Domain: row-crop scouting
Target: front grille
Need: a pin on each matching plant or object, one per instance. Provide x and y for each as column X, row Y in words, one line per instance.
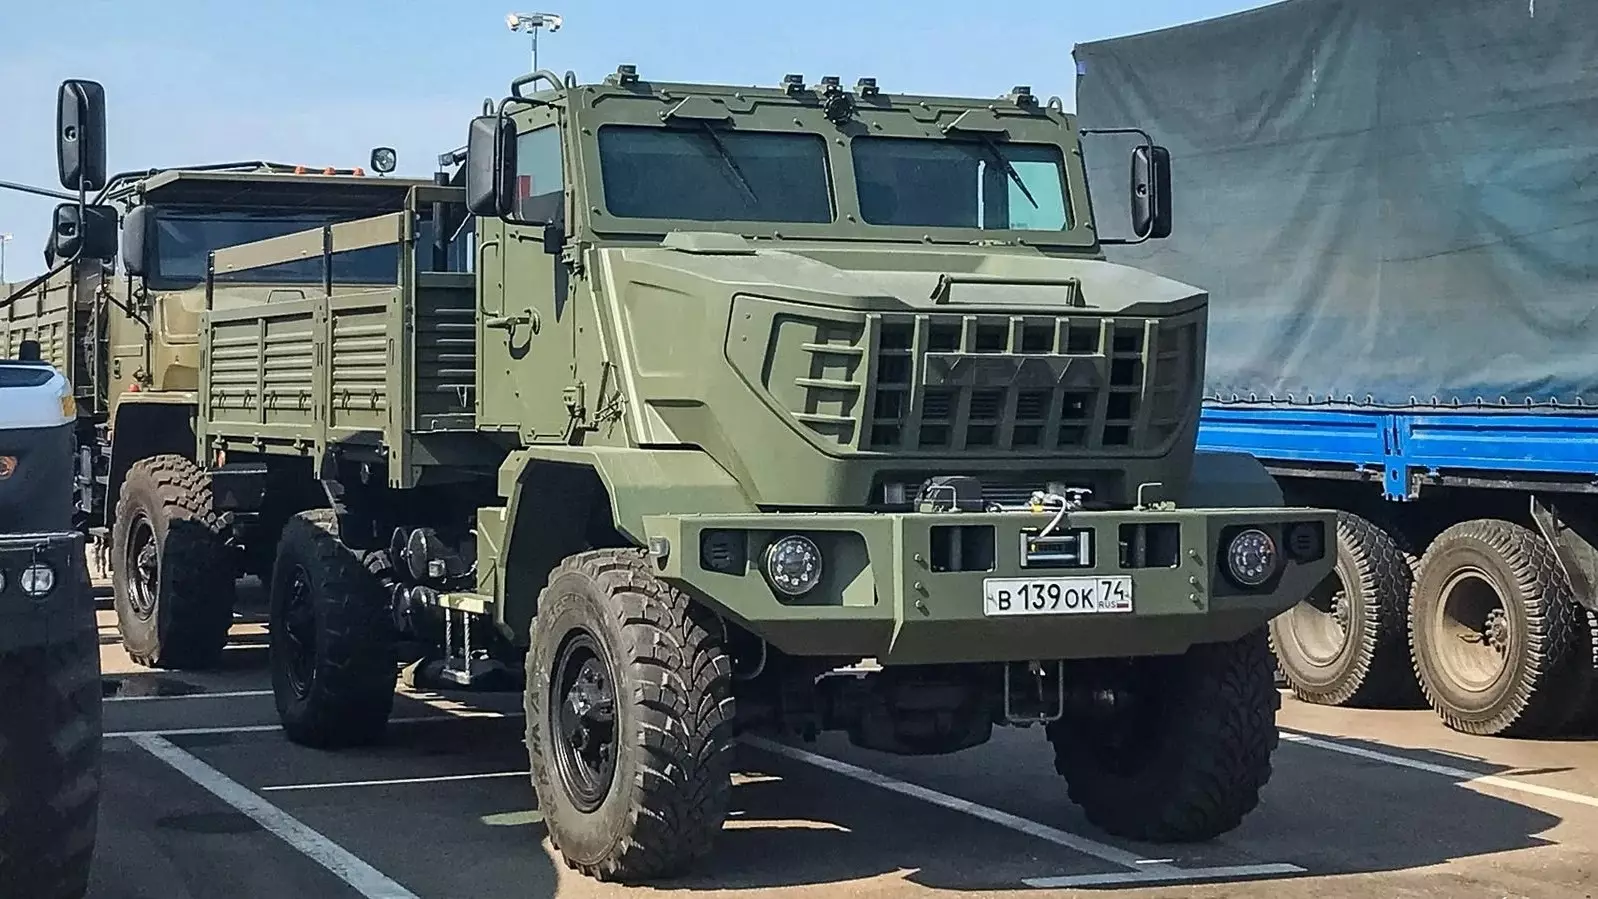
column 946, row 382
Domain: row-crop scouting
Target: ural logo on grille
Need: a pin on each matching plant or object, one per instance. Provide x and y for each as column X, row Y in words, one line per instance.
column 987, row 370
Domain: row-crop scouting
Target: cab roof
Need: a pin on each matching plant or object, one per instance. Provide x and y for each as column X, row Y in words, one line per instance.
column 277, row 188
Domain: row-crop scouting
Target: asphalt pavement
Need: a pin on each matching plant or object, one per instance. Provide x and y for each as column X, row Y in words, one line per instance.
column 204, row 797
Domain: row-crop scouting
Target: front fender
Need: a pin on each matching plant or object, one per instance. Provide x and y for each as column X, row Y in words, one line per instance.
column 1231, row 481
column 565, row 499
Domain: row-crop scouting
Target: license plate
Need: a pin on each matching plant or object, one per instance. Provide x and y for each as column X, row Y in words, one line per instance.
column 1056, row 595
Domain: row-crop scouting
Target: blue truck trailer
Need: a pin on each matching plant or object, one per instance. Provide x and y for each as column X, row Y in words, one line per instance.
column 1394, row 207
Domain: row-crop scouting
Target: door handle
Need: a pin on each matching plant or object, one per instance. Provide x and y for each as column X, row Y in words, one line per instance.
column 512, row 322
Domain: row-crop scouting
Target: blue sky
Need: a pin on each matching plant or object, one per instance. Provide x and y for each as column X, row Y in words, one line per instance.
column 320, row 83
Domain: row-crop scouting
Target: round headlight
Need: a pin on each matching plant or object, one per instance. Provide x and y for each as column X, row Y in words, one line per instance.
column 37, row 580
column 793, row 565
column 1251, row 557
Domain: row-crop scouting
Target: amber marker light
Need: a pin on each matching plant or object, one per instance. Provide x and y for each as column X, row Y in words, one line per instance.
column 8, row 466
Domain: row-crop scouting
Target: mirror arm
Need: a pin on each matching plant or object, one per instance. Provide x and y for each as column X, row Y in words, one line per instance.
column 40, row 191
column 1148, row 145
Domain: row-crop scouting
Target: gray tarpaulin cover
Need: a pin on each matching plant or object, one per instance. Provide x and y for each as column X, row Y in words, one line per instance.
column 1387, row 199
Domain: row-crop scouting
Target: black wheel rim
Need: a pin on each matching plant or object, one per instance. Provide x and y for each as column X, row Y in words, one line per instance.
column 1472, row 631
column 582, row 721
column 299, row 631
column 142, row 562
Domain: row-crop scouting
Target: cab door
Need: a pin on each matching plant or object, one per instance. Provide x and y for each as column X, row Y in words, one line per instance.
column 524, row 323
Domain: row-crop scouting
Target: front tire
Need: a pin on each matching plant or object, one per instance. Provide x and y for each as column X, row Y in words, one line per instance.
column 1494, row 631
column 629, row 719
column 1186, row 758
column 172, row 577
column 332, row 646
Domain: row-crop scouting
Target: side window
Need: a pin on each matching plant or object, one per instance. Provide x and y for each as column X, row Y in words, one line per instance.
column 540, row 176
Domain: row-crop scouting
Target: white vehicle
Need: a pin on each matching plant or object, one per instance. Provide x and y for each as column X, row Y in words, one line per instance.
column 50, row 718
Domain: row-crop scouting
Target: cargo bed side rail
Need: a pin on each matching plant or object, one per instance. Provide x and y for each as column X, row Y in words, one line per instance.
column 381, row 372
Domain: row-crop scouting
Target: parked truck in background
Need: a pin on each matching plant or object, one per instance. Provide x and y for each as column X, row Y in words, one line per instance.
column 1395, row 215
column 783, row 409
column 129, row 342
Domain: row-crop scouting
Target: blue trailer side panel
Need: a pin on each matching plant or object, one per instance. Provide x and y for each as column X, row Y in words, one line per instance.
column 1405, row 450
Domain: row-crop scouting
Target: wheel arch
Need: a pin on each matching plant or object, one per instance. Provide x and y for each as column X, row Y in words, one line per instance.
column 1230, row 480
column 141, row 429
column 612, row 489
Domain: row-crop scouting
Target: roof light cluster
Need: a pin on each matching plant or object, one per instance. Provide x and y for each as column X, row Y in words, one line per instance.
column 865, row 87
column 383, row 160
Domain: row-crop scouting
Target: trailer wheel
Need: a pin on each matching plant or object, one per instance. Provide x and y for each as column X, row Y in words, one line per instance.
column 50, row 736
column 1347, row 643
column 332, row 645
column 172, row 576
column 1494, row 631
column 1186, row 749
column 629, row 719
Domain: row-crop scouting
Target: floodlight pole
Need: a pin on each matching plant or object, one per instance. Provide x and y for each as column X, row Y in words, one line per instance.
column 533, row 22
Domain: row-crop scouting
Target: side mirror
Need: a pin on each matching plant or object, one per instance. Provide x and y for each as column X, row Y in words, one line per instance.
column 1151, row 192
column 490, row 166
column 80, row 135
column 137, row 226
column 88, row 232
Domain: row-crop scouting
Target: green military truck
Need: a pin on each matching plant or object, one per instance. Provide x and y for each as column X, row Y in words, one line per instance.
column 716, row 409
column 50, row 724
column 129, row 345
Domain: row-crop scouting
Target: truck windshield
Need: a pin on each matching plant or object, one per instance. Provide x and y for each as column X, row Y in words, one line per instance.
column 961, row 183
column 706, row 173
column 185, row 238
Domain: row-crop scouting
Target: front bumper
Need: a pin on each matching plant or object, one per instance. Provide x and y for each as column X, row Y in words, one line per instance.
column 60, row 615
column 908, row 588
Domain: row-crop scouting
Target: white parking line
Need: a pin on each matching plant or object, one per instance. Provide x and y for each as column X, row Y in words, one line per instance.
column 443, row 778
column 269, row 728
column 231, row 694
column 369, row 881
column 1458, row 774
column 1139, row 868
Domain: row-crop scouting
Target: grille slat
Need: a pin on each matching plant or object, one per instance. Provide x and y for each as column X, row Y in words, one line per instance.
column 1124, row 387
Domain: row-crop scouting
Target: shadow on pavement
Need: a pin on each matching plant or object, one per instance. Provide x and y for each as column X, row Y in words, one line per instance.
column 1329, row 814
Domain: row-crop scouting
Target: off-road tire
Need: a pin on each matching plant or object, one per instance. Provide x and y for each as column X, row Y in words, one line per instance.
column 50, row 735
column 1539, row 688
column 1371, row 667
column 355, row 667
column 1199, row 755
column 671, row 679
column 196, row 589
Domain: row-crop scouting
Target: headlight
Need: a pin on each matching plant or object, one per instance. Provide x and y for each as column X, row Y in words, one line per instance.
column 793, row 565
column 2, row 581
column 1251, row 557
column 37, row 580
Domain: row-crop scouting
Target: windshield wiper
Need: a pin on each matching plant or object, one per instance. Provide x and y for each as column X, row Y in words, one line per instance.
column 732, row 164
column 998, row 156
